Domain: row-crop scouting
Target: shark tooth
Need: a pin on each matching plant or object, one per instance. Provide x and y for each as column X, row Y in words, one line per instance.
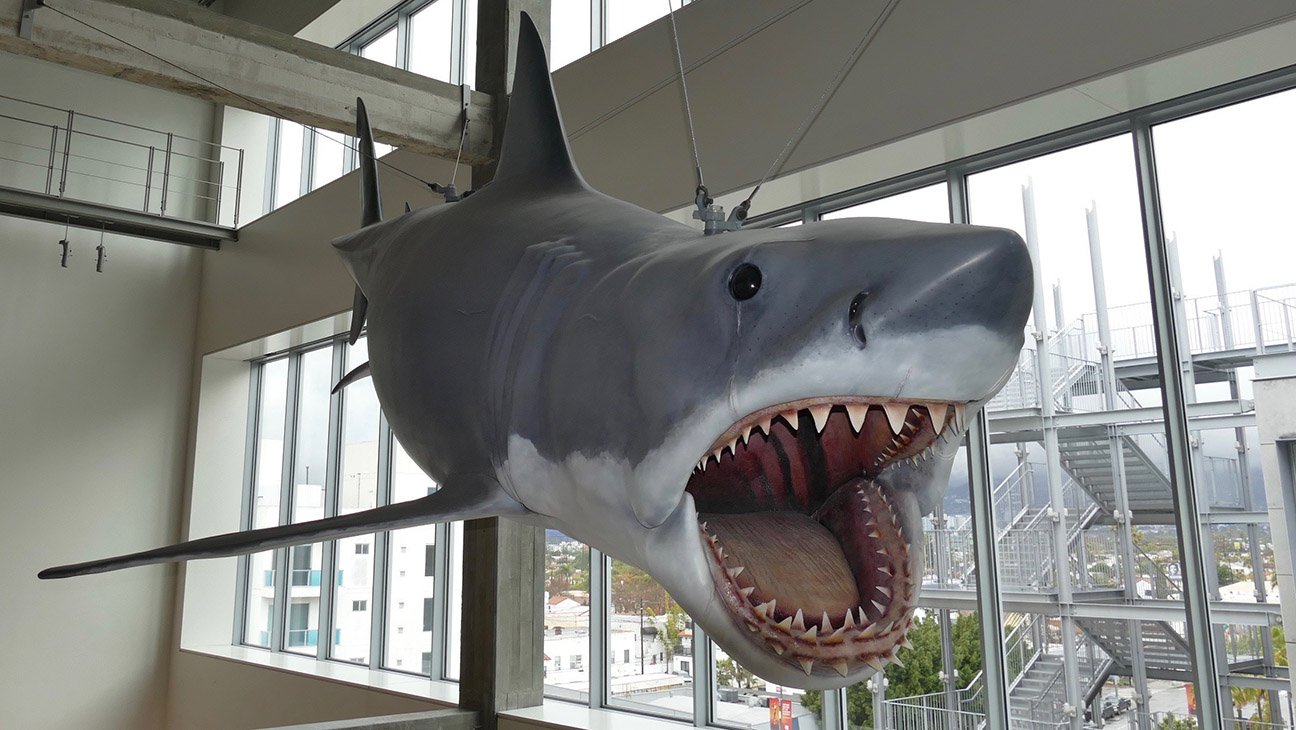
column 850, row 619
column 733, row 446
column 753, row 627
column 879, row 606
column 762, row 425
column 938, row 413
column 875, row 534
column 885, row 569
column 791, row 418
column 811, row 633
column 841, row 667
column 895, row 659
column 960, row 416
column 746, row 434
column 778, row 648
column 857, row 413
column 820, row 416
column 765, row 610
column 806, row 664
column 785, row 625
column 826, row 626
column 746, row 592
column 735, row 572
column 904, row 643
column 798, row 623
column 896, row 414
column 704, row 524
column 874, row 662
column 881, row 589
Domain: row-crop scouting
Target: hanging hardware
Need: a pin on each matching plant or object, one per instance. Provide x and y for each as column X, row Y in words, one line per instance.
column 101, row 253
column 28, row 18
column 448, row 192
column 66, row 244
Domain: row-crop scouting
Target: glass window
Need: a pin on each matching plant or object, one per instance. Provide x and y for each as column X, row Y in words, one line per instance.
column 309, row 472
column 410, row 586
column 569, row 30
column 288, row 162
column 566, row 613
column 330, row 152
column 622, row 17
column 470, row 43
column 267, row 478
column 929, row 204
column 1083, row 511
column 430, row 49
column 648, row 623
column 357, row 491
column 382, row 49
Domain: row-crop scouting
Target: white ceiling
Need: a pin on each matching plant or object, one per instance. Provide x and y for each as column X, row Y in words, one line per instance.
column 943, row 79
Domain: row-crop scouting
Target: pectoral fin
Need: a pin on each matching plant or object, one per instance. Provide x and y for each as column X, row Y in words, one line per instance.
column 360, row 372
column 468, row 497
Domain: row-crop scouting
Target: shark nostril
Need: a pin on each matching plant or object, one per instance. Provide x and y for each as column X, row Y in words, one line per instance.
column 855, row 318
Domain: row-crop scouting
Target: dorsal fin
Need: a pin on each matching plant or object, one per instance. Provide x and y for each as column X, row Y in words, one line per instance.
column 370, row 208
column 534, row 150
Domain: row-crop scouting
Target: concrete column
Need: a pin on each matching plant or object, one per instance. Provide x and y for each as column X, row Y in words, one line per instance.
column 502, row 655
column 1275, row 405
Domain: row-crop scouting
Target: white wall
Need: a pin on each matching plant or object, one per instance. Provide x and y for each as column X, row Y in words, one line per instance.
column 95, row 396
column 95, row 379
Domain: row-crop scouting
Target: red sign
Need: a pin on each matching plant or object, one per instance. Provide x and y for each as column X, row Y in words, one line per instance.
column 780, row 714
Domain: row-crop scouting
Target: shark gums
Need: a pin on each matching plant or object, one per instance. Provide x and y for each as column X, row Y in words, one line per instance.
column 758, row 419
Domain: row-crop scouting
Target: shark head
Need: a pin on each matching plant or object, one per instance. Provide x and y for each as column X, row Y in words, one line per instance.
column 763, row 417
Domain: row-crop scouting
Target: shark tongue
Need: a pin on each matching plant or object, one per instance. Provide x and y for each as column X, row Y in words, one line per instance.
column 790, row 558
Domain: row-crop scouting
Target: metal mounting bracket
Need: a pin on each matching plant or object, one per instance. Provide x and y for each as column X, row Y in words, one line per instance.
column 28, row 18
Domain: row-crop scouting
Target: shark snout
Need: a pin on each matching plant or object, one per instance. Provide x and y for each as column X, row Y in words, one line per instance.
column 987, row 281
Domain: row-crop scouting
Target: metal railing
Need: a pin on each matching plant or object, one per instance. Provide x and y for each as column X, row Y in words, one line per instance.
column 79, row 156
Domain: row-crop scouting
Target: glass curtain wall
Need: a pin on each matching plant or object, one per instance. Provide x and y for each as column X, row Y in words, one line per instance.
column 382, row 601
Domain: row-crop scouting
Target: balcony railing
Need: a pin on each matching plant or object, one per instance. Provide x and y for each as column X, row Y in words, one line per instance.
column 79, row 156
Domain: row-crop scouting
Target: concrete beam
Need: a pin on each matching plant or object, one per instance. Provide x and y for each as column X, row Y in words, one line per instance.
column 252, row 68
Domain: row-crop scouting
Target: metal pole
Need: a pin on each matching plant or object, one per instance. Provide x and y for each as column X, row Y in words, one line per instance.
column 600, row 608
column 1053, row 466
column 1221, row 292
column 1129, row 575
column 1259, row 325
column 67, row 152
column 220, row 186
column 49, row 168
column 238, row 188
column 148, row 178
column 166, row 172
column 1196, row 599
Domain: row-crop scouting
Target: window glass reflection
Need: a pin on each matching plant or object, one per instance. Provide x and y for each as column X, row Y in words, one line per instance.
column 930, row 203
column 567, row 617
column 429, row 45
column 413, row 562
column 650, row 644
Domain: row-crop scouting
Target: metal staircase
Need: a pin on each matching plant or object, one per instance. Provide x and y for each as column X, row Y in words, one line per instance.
column 1086, row 454
column 1165, row 651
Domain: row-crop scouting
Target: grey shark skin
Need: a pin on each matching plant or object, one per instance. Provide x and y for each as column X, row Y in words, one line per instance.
column 547, row 352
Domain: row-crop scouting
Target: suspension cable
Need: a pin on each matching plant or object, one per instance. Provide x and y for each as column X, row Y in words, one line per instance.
column 829, row 91
column 688, row 109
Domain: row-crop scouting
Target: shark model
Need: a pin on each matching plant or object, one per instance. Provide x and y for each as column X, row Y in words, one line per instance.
column 758, row 419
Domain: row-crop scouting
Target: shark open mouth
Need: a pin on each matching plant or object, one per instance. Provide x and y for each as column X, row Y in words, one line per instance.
column 807, row 545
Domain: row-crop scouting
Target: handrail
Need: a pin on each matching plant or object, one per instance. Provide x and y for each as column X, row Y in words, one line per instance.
column 84, row 115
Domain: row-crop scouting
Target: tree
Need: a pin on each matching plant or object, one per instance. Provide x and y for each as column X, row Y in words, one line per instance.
column 1226, row 574
column 1171, row 722
column 732, row 674
column 921, row 671
column 632, row 589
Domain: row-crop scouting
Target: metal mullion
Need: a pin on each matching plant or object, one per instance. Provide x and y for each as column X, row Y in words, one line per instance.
column 308, row 159
column 403, row 38
column 458, row 39
column 598, row 28
column 834, row 709
column 246, row 506
column 989, row 601
column 1182, row 481
column 332, row 467
column 703, row 678
column 600, row 603
column 381, row 546
column 268, row 201
column 441, row 553
column 280, row 616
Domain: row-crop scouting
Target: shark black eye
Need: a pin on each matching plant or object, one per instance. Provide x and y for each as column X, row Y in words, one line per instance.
column 744, row 282
column 855, row 318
